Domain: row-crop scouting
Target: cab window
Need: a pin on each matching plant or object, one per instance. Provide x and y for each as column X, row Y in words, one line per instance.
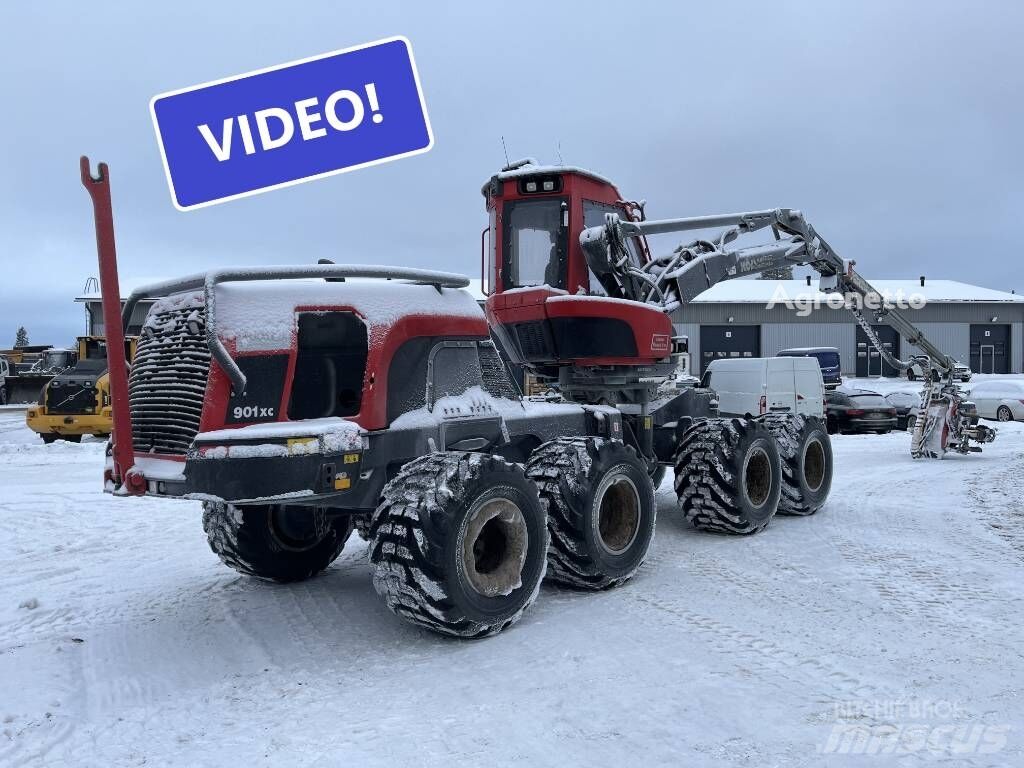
column 593, row 216
column 535, row 244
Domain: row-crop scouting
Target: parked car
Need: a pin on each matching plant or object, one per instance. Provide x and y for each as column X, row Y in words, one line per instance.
column 828, row 361
column 1002, row 399
column 5, row 371
column 858, row 410
column 907, row 405
column 750, row 386
column 961, row 372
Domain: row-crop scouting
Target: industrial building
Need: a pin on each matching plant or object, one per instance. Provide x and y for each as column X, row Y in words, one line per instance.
column 978, row 326
column 91, row 299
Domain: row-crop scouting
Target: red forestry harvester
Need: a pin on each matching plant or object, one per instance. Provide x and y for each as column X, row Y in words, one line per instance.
column 301, row 402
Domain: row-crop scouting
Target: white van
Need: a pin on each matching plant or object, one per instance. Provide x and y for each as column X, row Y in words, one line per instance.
column 753, row 386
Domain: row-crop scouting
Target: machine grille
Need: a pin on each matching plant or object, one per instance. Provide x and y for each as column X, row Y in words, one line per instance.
column 495, row 375
column 167, row 383
column 532, row 340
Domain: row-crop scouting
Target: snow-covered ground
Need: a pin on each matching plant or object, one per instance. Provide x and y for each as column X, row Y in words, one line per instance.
column 886, row 385
column 896, row 609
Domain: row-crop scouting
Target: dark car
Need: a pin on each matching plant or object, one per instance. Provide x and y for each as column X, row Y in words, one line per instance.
column 858, row 410
column 828, row 361
column 907, row 405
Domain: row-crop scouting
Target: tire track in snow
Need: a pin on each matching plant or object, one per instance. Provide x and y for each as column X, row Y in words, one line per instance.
column 998, row 498
column 31, row 742
column 760, row 654
column 919, row 588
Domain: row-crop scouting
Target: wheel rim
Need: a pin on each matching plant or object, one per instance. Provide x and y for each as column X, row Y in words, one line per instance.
column 494, row 547
column 617, row 521
column 1003, row 414
column 296, row 529
column 814, row 464
column 757, row 476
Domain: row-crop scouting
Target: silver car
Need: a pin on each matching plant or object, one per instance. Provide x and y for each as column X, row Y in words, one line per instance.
column 1002, row 399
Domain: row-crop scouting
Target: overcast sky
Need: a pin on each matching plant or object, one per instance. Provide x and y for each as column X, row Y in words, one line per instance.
column 896, row 127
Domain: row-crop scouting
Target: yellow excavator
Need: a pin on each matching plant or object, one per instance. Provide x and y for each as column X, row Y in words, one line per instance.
column 76, row 401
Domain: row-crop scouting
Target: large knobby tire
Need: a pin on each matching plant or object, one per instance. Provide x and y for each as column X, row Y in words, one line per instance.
column 805, row 451
column 361, row 524
column 275, row 542
column 601, row 510
column 458, row 543
column 728, row 475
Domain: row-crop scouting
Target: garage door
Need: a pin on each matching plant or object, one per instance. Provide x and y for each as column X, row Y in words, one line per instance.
column 990, row 348
column 719, row 342
column 869, row 361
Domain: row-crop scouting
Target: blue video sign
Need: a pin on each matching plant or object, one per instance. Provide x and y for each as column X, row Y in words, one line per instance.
column 291, row 123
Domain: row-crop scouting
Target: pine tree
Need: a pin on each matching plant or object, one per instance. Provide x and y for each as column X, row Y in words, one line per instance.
column 21, row 340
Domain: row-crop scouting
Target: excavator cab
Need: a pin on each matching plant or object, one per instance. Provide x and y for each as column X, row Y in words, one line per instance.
column 547, row 306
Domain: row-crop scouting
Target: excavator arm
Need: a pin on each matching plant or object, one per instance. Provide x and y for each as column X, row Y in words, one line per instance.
column 948, row 422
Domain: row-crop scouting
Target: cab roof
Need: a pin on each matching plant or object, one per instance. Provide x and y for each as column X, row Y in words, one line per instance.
column 530, row 167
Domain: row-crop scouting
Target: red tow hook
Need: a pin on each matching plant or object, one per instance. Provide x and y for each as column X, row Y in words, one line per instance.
column 121, row 433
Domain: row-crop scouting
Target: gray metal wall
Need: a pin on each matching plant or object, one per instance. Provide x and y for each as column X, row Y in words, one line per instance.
column 947, row 324
column 778, row 336
column 952, row 338
column 747, row 313
column 1016, row 347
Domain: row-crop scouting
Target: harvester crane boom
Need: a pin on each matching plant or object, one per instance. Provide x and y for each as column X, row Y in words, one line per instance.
column 949, row 421
column 692, row 268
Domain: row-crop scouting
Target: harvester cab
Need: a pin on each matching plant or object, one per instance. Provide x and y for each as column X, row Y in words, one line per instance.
column 550, row 310
column 537, row 214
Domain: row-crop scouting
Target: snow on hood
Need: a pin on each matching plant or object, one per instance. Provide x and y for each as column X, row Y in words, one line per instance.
column 262, row 315
column 335, row 435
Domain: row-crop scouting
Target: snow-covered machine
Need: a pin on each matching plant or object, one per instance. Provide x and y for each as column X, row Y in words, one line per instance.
column 578, row 295
column 75, row 401
column 301, row 402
